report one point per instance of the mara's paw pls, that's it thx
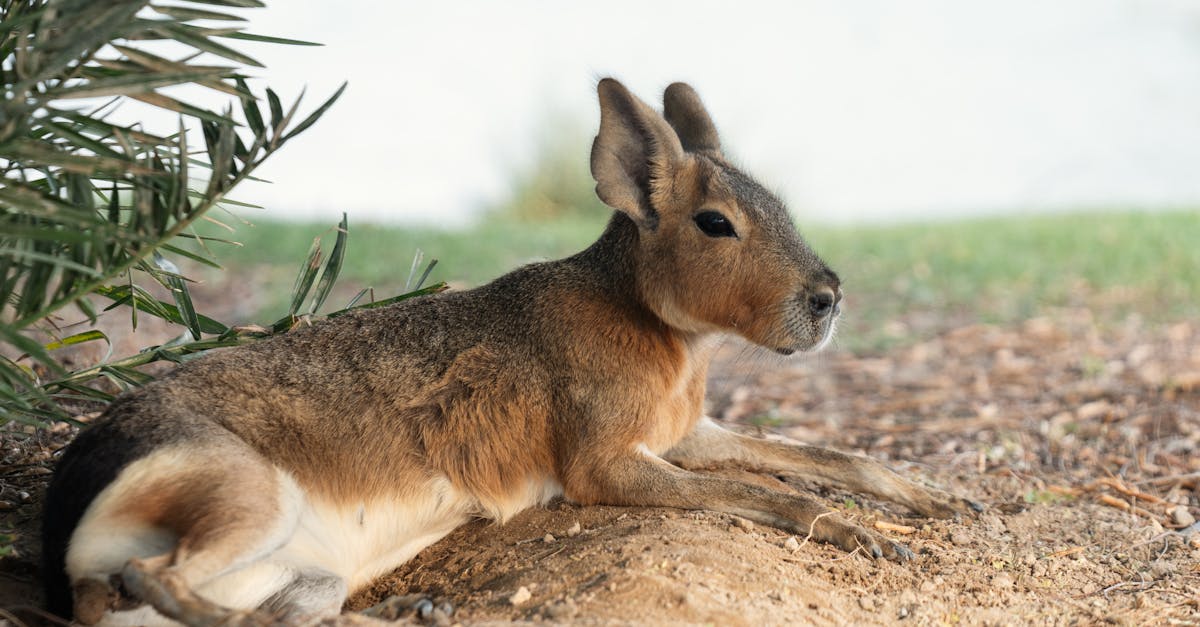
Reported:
(94, 598)
(935, 503)
(852, 538)
(416, 606)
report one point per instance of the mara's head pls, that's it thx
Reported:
(715, 250)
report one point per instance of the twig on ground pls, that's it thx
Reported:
(811, 526)
(1125, 506)
(1120, 486)
(894, 528)
(1121, 584)
(1065, 552)
(1063, 490)
(1183, 478)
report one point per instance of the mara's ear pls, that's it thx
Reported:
(634, 151)
(687, 115)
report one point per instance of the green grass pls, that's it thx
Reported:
(1005, 269)
(382, 255)
(993, 270)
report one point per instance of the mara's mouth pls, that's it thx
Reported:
(828, 328)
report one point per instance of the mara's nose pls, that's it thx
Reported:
(823, 301)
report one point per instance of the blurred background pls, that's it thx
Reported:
(953, 161)
(856, 112)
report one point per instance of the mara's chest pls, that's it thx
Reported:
(677, 410)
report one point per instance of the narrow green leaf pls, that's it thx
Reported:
(316, 115)
(104, 128)
(192, 36)
(357, 297)
(78, 338)
(248, 4)
(425, 275)
(304, 280)
(54, 261)
(197, 257)
(276, 108)
(80, 140)
(128, 376)
(132, 83)
(184, 13)
(209, 238)
(172, 104)
(432, 289)
(332, 267)
(179, 291)
(271, 40)
(32, 152)
(140, 300)
(250, 110)
(85, 306)
(83, 390)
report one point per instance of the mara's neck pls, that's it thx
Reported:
(611, 263)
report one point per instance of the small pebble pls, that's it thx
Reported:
(548, 539)
(1182, 516)
(574, 530)
(867, 603)
(520, 596)
(440, 618)
(562, 610)
(791, 544)
(1161, 568)
(1003, 581)
(960, 538)
(743, 523)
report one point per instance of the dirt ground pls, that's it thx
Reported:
(1083, 440)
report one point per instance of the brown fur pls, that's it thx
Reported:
(586, 373)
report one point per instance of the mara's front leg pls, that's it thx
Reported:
(640, 478)
(710, 443)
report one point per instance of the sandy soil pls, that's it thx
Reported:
(1082, 439)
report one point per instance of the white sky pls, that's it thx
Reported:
(853, 110)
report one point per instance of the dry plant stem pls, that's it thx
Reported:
(1113, 501)
(894, 528)
(1182, 478)
(811, 527)
(1065, 552)
(1063, 490)
(1120, 486)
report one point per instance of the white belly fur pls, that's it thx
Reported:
(362, 542)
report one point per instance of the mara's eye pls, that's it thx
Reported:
(714, 224)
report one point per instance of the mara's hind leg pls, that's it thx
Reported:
(312, 593)
(309, 595)
(224, 506)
